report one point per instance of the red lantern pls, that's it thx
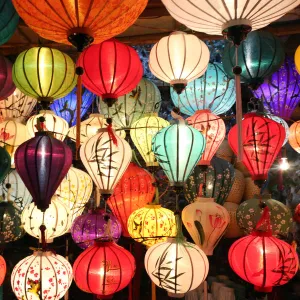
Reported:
(2, 269)
(7, 85)
(296, 216)
(104, 269)
(111, 69)
(262, 140)
(134, 191)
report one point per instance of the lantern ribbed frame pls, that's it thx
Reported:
(294, 138)
(283, 123)
(2, 269)
(7, 85)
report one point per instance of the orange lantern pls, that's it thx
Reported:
(294, 137)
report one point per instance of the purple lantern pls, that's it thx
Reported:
(96, 224)
(42, 162)
(281, 92)
(7, 85)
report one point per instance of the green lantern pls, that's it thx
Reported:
(177, 149)
(45, 74)
(5, 162)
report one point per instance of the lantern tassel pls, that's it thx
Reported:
(264, 219)
(79, 72)
(111, 132)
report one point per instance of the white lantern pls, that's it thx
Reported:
(53, 123)
(56, 218)
(176, 266)
(41, 276)
(284, 124)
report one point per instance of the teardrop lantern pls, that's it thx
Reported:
(7, 85)
(284, 124)
(294, 138)
(2, 270)
(5, 162)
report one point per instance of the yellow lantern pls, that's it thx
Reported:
(297, 59)
(294, 138)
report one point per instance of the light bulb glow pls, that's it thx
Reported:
(284, 164)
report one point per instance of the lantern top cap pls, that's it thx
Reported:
(199, 111)
(102, 243)
(42, 253)
(153, 206)
(43, 111)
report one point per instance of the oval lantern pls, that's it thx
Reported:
(5, 162)
(178, 59)
(213, 90)
(42, 275)
(294, 138)
(134, 190)
(2, 270)
(104, 269)
(42, 162)
(7, 85)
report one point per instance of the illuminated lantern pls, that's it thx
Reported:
(151, 224)
(284, 124)
(143, 131)
(104, 269)
(297, 59)
(177, 149)
(45, 74)
(17, 106)
(2, 269)
(111, 69)
(42, 162)
(5, 162)
(42, 275)
(206, 222)
(134, 190)
(178, 59)
(213, 129)
(143, 99)
(213, 90)
(213, 182)
(233, 230)
(7, 85)
(262, 140)
(56, 218)
(237, 189)
(95, 225)
(176, 266)
(294, 138)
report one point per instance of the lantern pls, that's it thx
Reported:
(176, 266)
(56, 218)
(177, 149)
(206, 222)
(5, 163)
(297, 59)
(2, 269)
(143, 131)
(95, 225)
(104, 269)
(44, 73)
(143, 99)
(296, 215)
(213, 90)
(233, 230)
(178, 59)
(111, 69)
(7, 86)
(294, 138)
(213, 182)
(284, 124)
(237, 189)
(42, 163)
(213, 129)
(43, 275)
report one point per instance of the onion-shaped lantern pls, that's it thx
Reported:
(178, 59)
(2, 269)
(7, 85)
(176, 266)
(42, 275)
(294, 138)
(284, 124)
(143, 131)
(104, 269)
(5, 162)
(214, 91)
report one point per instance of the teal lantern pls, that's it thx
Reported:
(214, 91)
(177, 149)
(5, 162)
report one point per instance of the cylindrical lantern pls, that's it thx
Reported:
(176, 266)
(206, 222)
(104, 269)
(7, 85)
(237, 189)
(294, 138)
(2, 269)
(225, 151)
(233, 230)
(43, 275)
(5, 163)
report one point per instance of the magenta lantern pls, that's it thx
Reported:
(7, 85)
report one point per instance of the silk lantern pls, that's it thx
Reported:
(42, 162)
(297, 59)
(134, 190)
(42, 275)
(284, 124)
(178, 59)
(2, 270)
(103, 269)
(294, 138)
(5, 162)
(7, 85)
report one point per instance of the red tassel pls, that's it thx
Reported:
(264, 219)
(111, 134)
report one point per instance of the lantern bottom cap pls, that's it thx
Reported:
(204, 163)
(152, 164)
(263, 289)
(105, 296)
(176, 295)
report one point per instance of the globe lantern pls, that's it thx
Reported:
(134, 190)
(7, 85)
(2, 269)
(294, 138)
(111, 69)
(176, 266)
(95, 225)
(213, 90)
(5, 163)
(143, 131)
(104, 269)
(284, 124)
(178, 59)
(206, 222)
(42, 275)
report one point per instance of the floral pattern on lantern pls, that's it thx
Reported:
(2, 269)
(7, 85)
(294, 138)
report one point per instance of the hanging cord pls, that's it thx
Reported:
(179, 235)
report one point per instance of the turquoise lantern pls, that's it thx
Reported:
(214, 91)
(177, 149)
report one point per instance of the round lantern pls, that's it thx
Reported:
(214, 91)
(294, 138)
(95, 225)
(56, 218)
(237, 189)
(111, 69)
(284, 124)
(43, 275)
(213, 129)
(297, 59)
(44, 73)
(42, 162)
(5, 162)
(233, 230)
(225, 151)
(178, 59)
(2, 269)
(143, 131)
(213, 182)
(143, 99)
(104, 269)
(134, 190)
(7, 85)
(206, 222)
(176, 266)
